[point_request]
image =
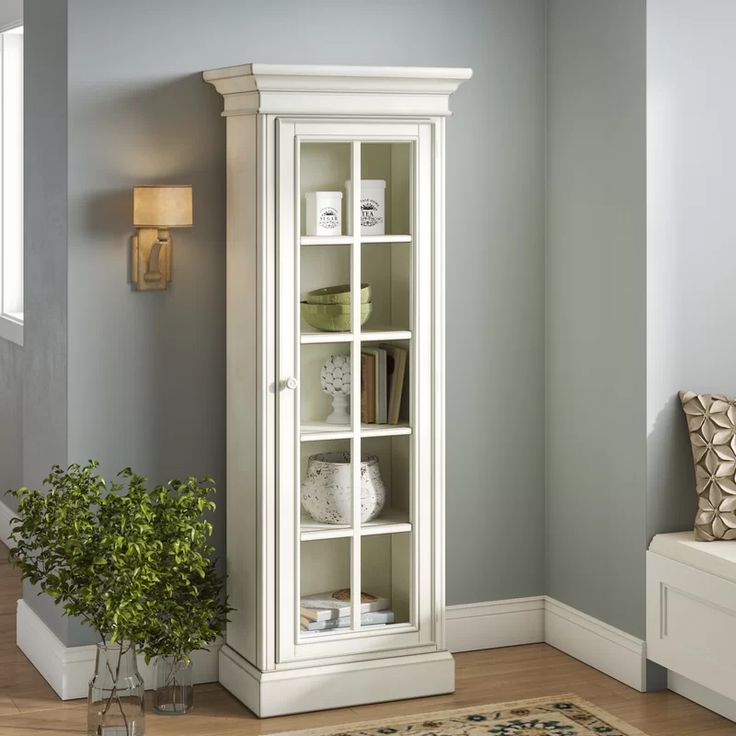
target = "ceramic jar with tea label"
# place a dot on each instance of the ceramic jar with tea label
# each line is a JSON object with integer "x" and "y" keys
{"x": 372, "y": 206}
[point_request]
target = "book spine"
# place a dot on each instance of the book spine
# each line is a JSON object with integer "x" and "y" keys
{"x": 364, "y": 367}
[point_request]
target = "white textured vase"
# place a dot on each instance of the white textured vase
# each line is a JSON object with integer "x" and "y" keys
{"x": 327, "y": 488}
{"x": 335, "y": 380}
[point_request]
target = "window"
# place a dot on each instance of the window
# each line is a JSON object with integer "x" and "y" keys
{"x": 11, "y": 184}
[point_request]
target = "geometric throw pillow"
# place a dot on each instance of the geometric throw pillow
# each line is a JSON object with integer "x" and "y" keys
{"x": 711, "y": 419}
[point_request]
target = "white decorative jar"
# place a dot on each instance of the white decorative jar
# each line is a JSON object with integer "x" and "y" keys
{"x": 324, "y": 213}
{"x": 327, "y": 488}
{"x": 372, "y": 206}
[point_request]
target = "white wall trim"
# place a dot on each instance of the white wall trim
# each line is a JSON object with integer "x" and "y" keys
{"x": 469, "y": 627}
{"x": 11, "y": 329}
{"x": 543, "y": 619}
{"x": 6, "y": 514}
{"x": 68, "y": 669}
{"x": 504, "y": 623}
{"x": 596, "y": 643}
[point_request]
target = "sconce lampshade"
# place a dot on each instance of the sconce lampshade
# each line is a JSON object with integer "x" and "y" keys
{"x": 162, "y": 207}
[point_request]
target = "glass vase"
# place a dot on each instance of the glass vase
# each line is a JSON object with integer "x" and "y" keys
{"x": 115, "y": 701}
{"x": 174, "y": 688}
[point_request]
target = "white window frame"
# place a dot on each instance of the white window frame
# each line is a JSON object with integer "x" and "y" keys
{"x": 11, "y": 183}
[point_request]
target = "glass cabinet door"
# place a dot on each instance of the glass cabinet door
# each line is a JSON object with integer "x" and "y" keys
{"x": 355, "y": 307}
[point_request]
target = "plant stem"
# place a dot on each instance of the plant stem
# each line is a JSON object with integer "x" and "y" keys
{"x": 171, "y": 682}
{"x": 114, "y": 690}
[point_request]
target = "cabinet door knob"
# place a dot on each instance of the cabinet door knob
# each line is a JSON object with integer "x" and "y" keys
{"x": 291, "y": 383}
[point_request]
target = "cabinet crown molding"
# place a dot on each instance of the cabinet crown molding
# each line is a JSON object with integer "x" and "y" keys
{"x": 344, "y": 90}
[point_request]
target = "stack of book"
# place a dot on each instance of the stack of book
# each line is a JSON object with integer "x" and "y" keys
{"x": 382, "y": 384}
{"x": 331, "y": 610}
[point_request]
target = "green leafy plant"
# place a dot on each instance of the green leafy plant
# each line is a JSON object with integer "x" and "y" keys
{"x": 133, "y": 564}
{"x": 90, "y": 546}
{"x": 189, "y": 610}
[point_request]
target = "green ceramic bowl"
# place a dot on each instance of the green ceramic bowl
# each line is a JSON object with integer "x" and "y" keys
{"x": 333, "y": 317}
{"x": 338, "y": 294}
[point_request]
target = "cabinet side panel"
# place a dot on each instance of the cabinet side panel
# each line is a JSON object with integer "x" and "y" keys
{"x": 439, "y": 388}
{"x": 242, "y": 378}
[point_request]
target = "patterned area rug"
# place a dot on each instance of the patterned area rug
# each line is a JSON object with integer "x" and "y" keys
{"x": 559, "y": 715}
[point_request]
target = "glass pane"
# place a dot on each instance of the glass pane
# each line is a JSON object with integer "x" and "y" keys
{"x": 325, "y": 288}
{"x": 386, "y": 171}
{"x": 323, "y": 170}
{"x": 325, "y": 387}
{"x": 386, "y": 481}
{"x": 386, "y": 379}
{"x": 326, "y": 486}
{"x": 387, "y": 265}
{"x": 387, "y": 269}
{"x": 386, "y": 579}
{"x": 324, "y": 586}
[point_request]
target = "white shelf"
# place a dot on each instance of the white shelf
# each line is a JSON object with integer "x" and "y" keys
{"x": 348, "y": 239}
{"x": 391, "y": 521}
{"x": 370, "y": 239}
{"x": 347, "y": 633}
{"x": 375, "y": 335}
{"x": 316, "y": 431}
{"x": 326, "y": 239}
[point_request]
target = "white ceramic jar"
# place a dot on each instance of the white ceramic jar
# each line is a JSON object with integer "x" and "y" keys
{"x": 324, "y": 213}
{"x": 372, "y": 206}
{"x": 327, "y": 488}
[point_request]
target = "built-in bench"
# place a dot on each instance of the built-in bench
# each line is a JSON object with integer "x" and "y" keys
{"x": 691, "y": 617}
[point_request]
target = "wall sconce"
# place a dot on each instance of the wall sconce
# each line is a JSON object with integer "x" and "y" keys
{"x": 156, "y": 209}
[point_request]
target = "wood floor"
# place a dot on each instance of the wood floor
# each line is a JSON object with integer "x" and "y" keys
{"x": 28, "y": 706}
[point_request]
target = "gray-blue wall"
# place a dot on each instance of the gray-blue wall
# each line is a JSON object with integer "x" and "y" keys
{"x": 146, "y": 371}
{"x": 596, "y": 309}
{"x": 44, "y": 352}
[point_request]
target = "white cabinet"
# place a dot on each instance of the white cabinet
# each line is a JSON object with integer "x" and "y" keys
{"x": 292, "y": 130}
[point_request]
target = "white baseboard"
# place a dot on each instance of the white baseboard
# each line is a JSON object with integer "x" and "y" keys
{"x": 6, "y": 514}
{"x": 468, "y": 627}
{"x": 596, "y": 643}
{"x": 68, "y": 669}
{"x": 702, "y": 695}
{"x": 495, "y": 624}
{"x": 543, "y": 619}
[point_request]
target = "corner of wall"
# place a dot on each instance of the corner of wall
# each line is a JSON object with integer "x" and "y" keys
{"x": 45, "y": 351}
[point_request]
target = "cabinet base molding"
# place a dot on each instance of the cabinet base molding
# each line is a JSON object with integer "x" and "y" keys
{"x": 335, "y": 685}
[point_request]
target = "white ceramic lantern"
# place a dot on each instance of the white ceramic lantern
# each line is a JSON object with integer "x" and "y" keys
{"x": 324, "y": 213}
{"x": 372, "y": 206}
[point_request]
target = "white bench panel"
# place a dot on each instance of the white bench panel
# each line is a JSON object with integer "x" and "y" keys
{"x": 691, "y": 623}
